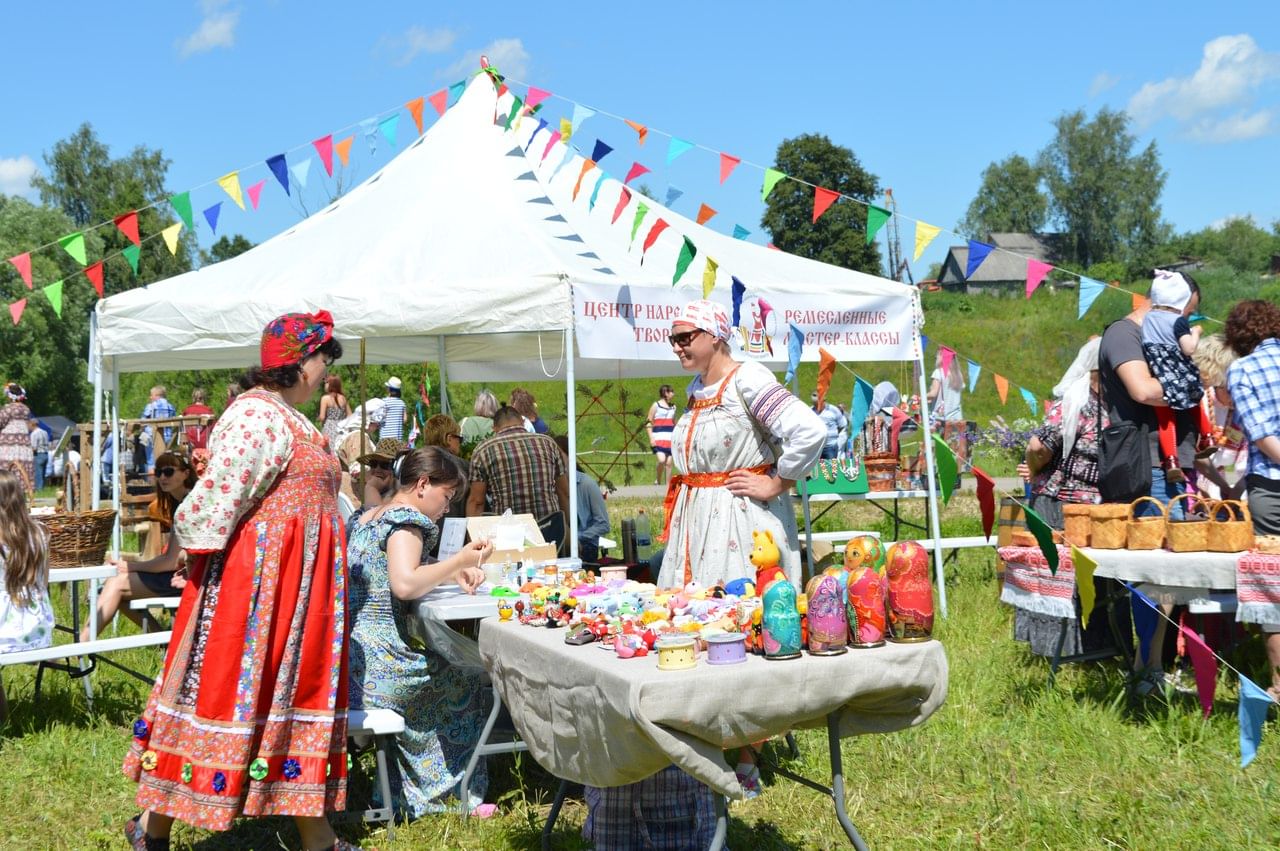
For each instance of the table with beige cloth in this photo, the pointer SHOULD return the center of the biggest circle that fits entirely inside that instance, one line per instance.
(1166, 576)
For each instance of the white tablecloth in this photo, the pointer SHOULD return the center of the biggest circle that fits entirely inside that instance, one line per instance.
(1175, 577)
(593, 718)
(433, 612)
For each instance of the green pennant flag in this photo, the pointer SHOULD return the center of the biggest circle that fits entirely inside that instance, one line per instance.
(181, 204)
(515, 108)
(687, 252)
(771, 178)
(73, 244)
(132, 253)
(876, 218)
(641, 209)
(1044, 537)
(947, 467)
(54, 293)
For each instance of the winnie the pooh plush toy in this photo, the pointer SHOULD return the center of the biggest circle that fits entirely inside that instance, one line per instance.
(765, 556)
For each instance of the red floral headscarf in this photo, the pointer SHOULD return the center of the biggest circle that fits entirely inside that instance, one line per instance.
(294, 337)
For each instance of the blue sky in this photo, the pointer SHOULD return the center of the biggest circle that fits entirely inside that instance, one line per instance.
(927, 95)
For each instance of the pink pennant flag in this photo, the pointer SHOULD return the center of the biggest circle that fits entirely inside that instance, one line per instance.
(94, 274)
(1036, 270)
(255, 192)
(536, 96)
(624, 198)
(555, 137)
(822, 199)
(727, 164)
(1206, 665)
(324, 147)
(440, 100)
(947, 355)
(636, 170)
(23, 264)
(16, 308)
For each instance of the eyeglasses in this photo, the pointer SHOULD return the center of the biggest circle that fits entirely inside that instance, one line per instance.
(379, 465)
(685, 338)
(166, 471)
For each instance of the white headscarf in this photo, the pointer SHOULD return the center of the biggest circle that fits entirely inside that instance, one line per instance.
(1074, 390)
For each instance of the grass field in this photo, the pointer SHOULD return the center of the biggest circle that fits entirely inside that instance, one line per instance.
(1007, 763)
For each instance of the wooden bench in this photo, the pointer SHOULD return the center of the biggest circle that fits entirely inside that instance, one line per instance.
(381, 726)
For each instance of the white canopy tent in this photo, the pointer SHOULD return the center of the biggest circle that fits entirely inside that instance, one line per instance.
(465, 249)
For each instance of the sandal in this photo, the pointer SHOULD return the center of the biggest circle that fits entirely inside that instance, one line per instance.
(138, 838)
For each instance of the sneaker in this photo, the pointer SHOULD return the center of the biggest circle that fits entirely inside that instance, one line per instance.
(1151, 680)
(1182, 680)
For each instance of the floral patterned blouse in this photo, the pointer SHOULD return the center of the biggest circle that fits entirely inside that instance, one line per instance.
(1075, 478)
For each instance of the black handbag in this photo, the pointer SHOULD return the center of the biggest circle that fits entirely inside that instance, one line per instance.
(1124, 458)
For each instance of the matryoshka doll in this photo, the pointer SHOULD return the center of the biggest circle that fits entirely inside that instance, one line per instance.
(866, 591)
(910, 594)
(828, 624)
(781, 619)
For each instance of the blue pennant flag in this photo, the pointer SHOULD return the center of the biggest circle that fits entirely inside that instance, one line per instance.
(676, 148)
(569, 151)
(1030, 399)
(978, 252)
(455, 91)
(388, 126)
(859, 407)
(739, 232)
(1089, 290)
(795, 346)
(580, 114)
(1254, 703)
(542, 123)
(924, 343)
(369, 127)
(301, 171)
(739, 289)
(672, 195)
(280, 168)
(600, 151)
(1144, 620)
(974, 372)
(591, 204)
(211, 216)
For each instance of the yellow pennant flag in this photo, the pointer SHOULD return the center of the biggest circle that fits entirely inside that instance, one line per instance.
(230, 184)
(1084, 567)
(566, 129)
(170, 235)
(924, 235)
(709, 277)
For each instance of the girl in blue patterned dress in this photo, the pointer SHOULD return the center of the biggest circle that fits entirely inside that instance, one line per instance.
(442, 704)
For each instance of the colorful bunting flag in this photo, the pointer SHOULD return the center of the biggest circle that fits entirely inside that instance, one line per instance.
(587, 165)
(974, 371)
(876, 218)
(654, 232)
(415, 111)
(948, 469)
(94, 274)
(1036, 270)
(456, 90)
(946, 354)
(771, 178)
(978, 252)
(73, 244)
(737, 291)
(601, 150)
(673, 194)
(211, 216)
(580, 114)
(1002, 387)
(566, 130)
(542, 123)
(1044, 537)
(859, 406)
(53, 292)
(826, 369)
(300, 172)
(133, 254)
(641, 130)
(280, 167)
(924, 235)
(595, 190)
(635, 171)
(1089, 292)
(675, 148)
(795, 348)
(1030, 399)
(556, 136)
(895, 429)
(128, 225)
(1206, 667)
(739, 232)
(516, 103)
(624, 198)
(1140, 301)
(170, 235)
(389, 127)
(705, 214)
(641, 209)
(536, 96)
(255, 192)
(16, 308)
(343, 150)
(369, 127)
(1254, 704)
(22, 262)
(709, 277)
(822, 199)
(439, 101)
(1084, 568)
(688, 251)
(728, 163)
(324, 147)
(924, 343)
(230, 184)
(181, 204)
(986, 491)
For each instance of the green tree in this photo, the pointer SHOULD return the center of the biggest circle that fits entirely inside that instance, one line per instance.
(1008, 201)
(839, 237)
(1103, 194)
(225, 248)
(1239, 244)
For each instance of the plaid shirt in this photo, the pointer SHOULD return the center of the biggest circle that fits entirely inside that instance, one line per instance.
(519, 470)
(159, 409)
(1254, 382)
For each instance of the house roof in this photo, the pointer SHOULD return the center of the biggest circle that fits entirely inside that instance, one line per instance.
(1007, 264)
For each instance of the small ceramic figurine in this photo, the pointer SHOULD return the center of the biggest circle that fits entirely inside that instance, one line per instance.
(910, 594)
(781, 621)
(765, 556)
(828, 623)
(504, 610)
(865, 606)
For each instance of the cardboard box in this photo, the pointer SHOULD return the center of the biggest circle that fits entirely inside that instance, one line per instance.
(533, 547)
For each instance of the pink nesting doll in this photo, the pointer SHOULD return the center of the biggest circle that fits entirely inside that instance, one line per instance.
(866, 590)
(910, 594)
(828, 625)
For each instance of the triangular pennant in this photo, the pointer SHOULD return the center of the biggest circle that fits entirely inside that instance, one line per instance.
(704, 214)
(53, 292)
(601, 150)
(946, 354)
(1254, 705)
(876, 219)
(687, 252)
(826, 369)
(1140, 301)
(924, 235)
(230, 184)
(709, 277)
(73, 244)
(986, 491)
(974, 371)
(641, 131)
(128, 225)
(1084, 568)
(1044, 537)
(676, 147)
(654, 232)
(255, 192)
(133, 254)
(635, 171)
(822, 199)
(624, 198)
(566, 130)
(389, 126)
(1002, 387)
(595, 191)
(16, 308)
(456, 90)
(94, 274)
(370, 129)
(211, 216)
(22, 262)
(1205, 665)
(727, 164)
(542, 123)
(300, 172)
(555, 137)
(1030, 399)
(673, 194)
(1036, 270)
(737, 290)
(536, 96)
(181, 204)
(795, 349)
(859, 407)
(324, 147)
(771, 178)
(739, 232)
(280, 168)
(415, 111)
(580, 114)
(516, 104)
(948, 469)
(587, 165)
(924, 343)
(170, 235)
(343, 150)
(1089, 292)
(439, 101)
(978, 252)
(641, 210)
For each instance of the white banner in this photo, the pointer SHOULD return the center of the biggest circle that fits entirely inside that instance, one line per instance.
(633, 323)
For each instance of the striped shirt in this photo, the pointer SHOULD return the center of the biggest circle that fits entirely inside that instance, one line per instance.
(664, 423)
(1254, 382)
(519, 471)
(393, 413)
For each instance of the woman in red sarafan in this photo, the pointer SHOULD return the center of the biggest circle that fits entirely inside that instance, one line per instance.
(250, 715)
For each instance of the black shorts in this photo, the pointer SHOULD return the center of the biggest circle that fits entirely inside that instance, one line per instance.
(159, 584)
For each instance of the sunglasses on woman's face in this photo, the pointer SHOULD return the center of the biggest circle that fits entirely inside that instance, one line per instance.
(685, 338)
(166, 471)
(380, 465)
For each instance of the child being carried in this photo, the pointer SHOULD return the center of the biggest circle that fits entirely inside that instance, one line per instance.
(1168, 342)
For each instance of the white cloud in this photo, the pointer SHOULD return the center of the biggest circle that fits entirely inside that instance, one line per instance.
(414, 42)
(506, 54)
(16, 174)
(217, 29)
(1213, 104)
(1101, 83)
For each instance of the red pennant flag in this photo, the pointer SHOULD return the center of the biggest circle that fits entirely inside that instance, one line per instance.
(502, 90)
(1036, 270)
(704, 214)
(654, 232)
(636, 170)
(826, 369)
(440, 100)
(822, 199)
(15, 309)
(536, 96)
(624, 198)
(1002, 387)
(128, 224)
(587, 165)
(947, 355)
(986, 498)
(94, 274)
(640, 129)
(727, 164)
(324, 147)
(415, 109)
(23, 264)
(1206, 667)
(899, 420)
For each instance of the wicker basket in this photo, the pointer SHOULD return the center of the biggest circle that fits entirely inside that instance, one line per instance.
(882, 471)
(1190, 535)
(1108, 526)
(1145, 533)
(1231, 535)
(78, 539)
(1076, 523)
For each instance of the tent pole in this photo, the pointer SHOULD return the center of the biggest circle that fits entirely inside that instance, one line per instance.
(803, 484)
(95, 498)
(571, 407)
(117, 536)
(364, 422)
(444, 377)
(931, 472)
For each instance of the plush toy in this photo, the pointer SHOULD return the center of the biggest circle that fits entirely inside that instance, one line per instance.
(765, 557)
(740, 588)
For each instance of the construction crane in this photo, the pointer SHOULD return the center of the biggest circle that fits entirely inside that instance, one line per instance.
(898, 265)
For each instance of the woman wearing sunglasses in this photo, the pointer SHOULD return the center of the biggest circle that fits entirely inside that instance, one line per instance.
(164, 575)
